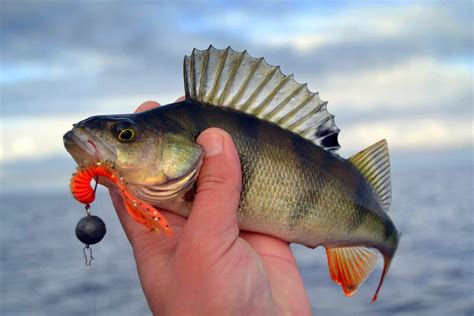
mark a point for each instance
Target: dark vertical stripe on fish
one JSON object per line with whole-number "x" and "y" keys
{"x": 305, "y": 193}
{"x": 202, "y": 117}
{"x": 249, "y": 127}
{"x": 360, "y": 212}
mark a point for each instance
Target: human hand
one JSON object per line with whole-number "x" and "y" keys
{"x": 208, "y": 266}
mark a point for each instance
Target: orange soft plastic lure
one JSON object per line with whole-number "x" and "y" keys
{"x": 140, "y": 211}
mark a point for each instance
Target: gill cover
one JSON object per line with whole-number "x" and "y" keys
{"x": 178, "y": 163}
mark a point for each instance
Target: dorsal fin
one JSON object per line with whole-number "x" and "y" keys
{"x": 236, "y": 80}
{"x": 374, "y": 163}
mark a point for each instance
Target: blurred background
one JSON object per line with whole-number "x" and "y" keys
{"x": 400, "y": 70}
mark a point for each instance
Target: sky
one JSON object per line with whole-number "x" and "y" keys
{"x": 400, "y": 70}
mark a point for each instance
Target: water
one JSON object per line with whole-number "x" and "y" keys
{"x": 42, "y": 270}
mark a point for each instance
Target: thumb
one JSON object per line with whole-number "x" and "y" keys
{"x": 213, "y": 219}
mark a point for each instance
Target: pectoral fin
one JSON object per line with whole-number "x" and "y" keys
{"x": 350, "y": 266}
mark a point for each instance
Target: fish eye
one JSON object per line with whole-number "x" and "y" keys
{"x": 125, "y": 131}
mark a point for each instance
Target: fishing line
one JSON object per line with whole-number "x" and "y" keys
{"x": 89, "y": 271}
{"x": 88, "y": 257}
{"x": 90, "y": 230}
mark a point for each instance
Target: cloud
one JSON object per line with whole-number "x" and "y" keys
{"x": 416, "y": 88}
{"x": 31, "y": 137}
{"x": 410, "y": 134}
{"x": 75, "y": 54}
{"x": 73, "y": 51}
{"x": 384, "y": 68}
{"x": 352, "y": 37}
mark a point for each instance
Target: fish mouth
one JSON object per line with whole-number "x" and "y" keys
{"x": 87, "y": 149}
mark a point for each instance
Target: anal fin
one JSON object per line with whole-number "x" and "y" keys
{"x": 350, "y": 266}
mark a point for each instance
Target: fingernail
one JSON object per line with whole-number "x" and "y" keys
{"x": 213, "y": 144}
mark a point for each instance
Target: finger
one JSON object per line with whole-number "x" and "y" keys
{"x": 152, "y": 252}
{"x": 213, "y": 218}
{"x": 268, "y": 246}
{"x": 148, "y": 105}
{"x": 280, "y": 264}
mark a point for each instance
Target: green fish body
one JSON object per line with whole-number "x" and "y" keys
{"x": 295, "y": 186}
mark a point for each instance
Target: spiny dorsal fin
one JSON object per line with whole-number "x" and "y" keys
{"x": 350, "y": 266}
{"x": 236, "y": 80}
{"x": 374, "y": 163}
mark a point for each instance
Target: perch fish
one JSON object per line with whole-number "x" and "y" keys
{"x": 295, "y": 185}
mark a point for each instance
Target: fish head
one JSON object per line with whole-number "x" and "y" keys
{"x": 143, "y": 153}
